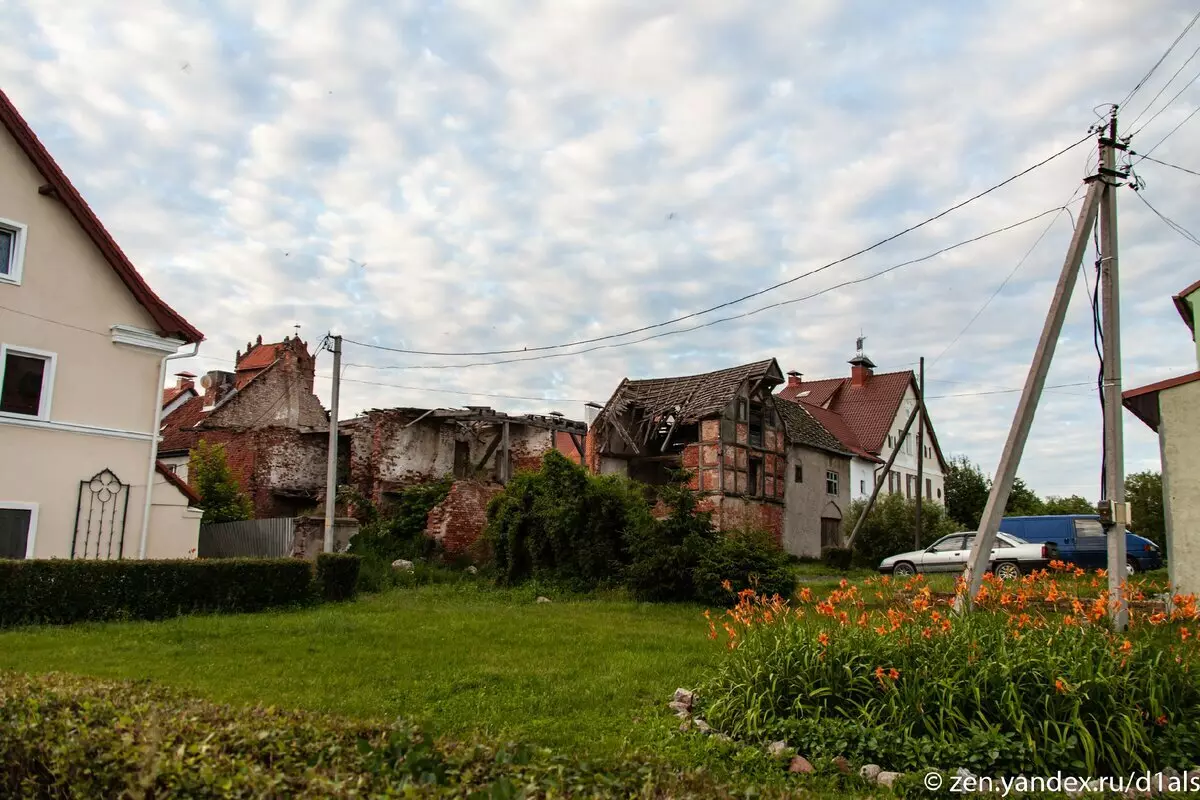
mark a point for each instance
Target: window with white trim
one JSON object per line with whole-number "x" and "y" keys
{"x": 831, "y": 482}
{"x": 12, "y": 250}
{"x": 26, "y": 382}
{"x": 18, "y": 525}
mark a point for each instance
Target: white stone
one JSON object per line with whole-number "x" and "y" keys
{"x": 777, "y": 749}
{"x": 702, "y": 726}
{"x": 684, "y": 696}
{"x": 402, "y": 565}
{"x": 681, "y": 710}
{"x": 543, "y": 599}
{"x": 887, "y": 778}
{"x": 472, "y": 570}
{"x": 870, "y": 772}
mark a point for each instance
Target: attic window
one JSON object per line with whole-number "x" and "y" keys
{"x": 12, "y": 251}
{"x": 805, "y": 393}
{"x": 756, "y": 425}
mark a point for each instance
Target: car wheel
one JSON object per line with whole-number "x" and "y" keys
{"x": 1131, "y": 566}
{"x": 904, "y": 569}
{"x": 1008, "y": 571}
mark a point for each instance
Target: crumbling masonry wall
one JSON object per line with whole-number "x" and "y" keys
{"x": 458, "y": 521}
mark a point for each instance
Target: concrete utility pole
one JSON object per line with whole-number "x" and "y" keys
{"x": 879, "y": 478}
{"x": 920, "y": 451}
{"x": 332, "y": 460}
{"x": 1114, "y": 439}
{"x": 1006, "y": 472}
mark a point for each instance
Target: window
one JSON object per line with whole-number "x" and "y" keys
{"x": 18, "y": 524}
{"x": 756, "y": 425}
{"x": 908, "y": 444}
{"x": 799, "y": 473}
{"x": 831, "y": 482}
{"x": 862, "y": 487}
{"x": 12, "y": 250}
{"x": 928, "y": 487}
{"x": 949, "y": 544}
{"x": 755, "y": 486}
{"x": 939, "y": 493}
{"x": 741, "y": 409}
{"x": 26, "y": 380}
{"x": 1089, "y": 534}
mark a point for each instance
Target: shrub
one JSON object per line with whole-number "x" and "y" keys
{"x": 398, "y": 531}
{"x": 838, "y": 558}
{"x": 666, "y": 552}
{"x": 747, "y": 558}
{"x": 912, "y": 686}
{"x": 220, "y": 496}
{"x": 889, "y": 527}
{"x": 562, "y": 524}
{"x": 337, "y": 575}
{"x": 55, "y": 592}
{"x": 63, "y": 736}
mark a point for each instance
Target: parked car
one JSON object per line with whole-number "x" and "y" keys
{"x": 1010, "y": 556}
{"x": 1082, "y": 541}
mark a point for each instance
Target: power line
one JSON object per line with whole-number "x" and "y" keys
{"x": 1186, "y": 86}
{"x": 1172, "y": 166}
{"x": 1168, "y": 136}
{"x": 1006, "y": 391}
{"x": 462, "y": 392}
{"x": 721, "y": 320}
{"x": 1161, "y": 59}
{"x": 743, "y": 298}
{"x": 1170, "y": 223}
{"x": 1160, "y": 91}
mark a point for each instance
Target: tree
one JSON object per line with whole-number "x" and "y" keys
{"x": 1144, "y": 492}
{"x": 1023, "y": 501}
{"x": 220, "y": 495}
{"x": 888, "y": 529}
{"x": 1069, "y": 505}
{"x": 966, "y": 492}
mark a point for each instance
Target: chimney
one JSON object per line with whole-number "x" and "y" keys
{"x": 217, "y": 384}
{"x": 184, "y": 380}
{"x": 794, "y": 379}
{"x": 590, "y": 411}
{"x": 861, "y": 370}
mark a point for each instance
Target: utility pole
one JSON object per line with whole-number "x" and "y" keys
{"x": 332, "y": 460}
{"x": 1010, "y": 457}
{"x": 880, "y": 476}
{"x": 1113, "y": 497}
{"x": 920, "y": 451}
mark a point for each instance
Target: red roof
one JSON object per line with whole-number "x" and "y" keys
{"x": 169, "y": 321}
{"x": 814, "y": 393}
{"x": 1185, "y": 309}
{"x": 1143, "y": 401}
{"x": 177, "y": 432}
{"x": 260, "y": 357}
{"x": 178, "y": 482}
{"x": 869, "y": 410}
{"x": 835, "y": 424}
{"x": 171, "y": 392}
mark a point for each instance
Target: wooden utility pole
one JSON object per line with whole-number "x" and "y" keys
{"x": 1010, "y": 457}
{"x": 1113, "y": 496}
{"x": 879, "y": 478}
{"x": 332, "y": 457}
{"x": 920, "y": 451}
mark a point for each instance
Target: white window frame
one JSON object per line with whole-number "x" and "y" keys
{"x": 32, "y": 508}
{"x": 832, "y": 479}
{"x": 51, "y": 360}
{"x": 20, "y": 231}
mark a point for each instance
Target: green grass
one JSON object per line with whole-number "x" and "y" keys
{"x": 587, "y": 673}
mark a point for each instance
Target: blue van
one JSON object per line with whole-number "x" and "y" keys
{"x": 1081, "y": 540}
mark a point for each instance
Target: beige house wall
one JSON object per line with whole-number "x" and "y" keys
{"x": 174, "y": 527}
{"x": 1179, "y": 441}
{"x": 807, "y": 501}
{"x": 103, "y": 394}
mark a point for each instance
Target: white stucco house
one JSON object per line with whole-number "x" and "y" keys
{"x": 866, "y": 412}
{"x": 84, "y": 344}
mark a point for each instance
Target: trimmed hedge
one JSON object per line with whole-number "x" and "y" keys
{"x": 65, "y": 736}
{"x": 63, "y": 591}
{"x": 337, "y": 575}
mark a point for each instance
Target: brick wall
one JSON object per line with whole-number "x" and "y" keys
{"x": 458, "y": 521}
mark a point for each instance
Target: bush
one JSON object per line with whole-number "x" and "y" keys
{"x": 398, "y": 531}
{"x": 743, "y": 559}
{"x": 56, "y": 592}
{"x": 838, "y": 558}
{"x": 889, "y": 527}
{"x": 666, "y": 552}
{"x": 220, "y": 495}
{"x": 337, "y": 575}
{"x": 562, "y": 524}
{"x": 912, "y": 686}
{"x": 63, "y": 736}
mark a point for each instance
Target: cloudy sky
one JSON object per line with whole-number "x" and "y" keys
{"x": 494, "y": 175}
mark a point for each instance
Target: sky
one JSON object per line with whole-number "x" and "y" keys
{"x": 498, "y": 175}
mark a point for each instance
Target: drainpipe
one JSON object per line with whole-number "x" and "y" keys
{"x": 154, "y": 436}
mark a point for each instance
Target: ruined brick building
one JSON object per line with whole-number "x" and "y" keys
{"x": 274, "y": 429}
{"x": 480, "y": 448}
{"x": 721, "y": 426}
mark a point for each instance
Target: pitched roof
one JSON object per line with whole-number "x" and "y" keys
{"x": 178, "y": 482}
{"x": 260, "y": 357}
{"x": 869, "y": 410}
{"x": 692, "y": 397}
{"x": 803, "y": 428}
{"x": 169, "y": 321}
{"x": 814, "y": 393}
{"x": 178, "y": 428}
{"x": 1143, "y": 401}
{"x": 836, "y": 425}
{"x": 1185, "y": 308}
{"x": 172, "y": 392}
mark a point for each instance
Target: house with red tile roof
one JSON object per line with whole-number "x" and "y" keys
{"x": 866, "y": 411}
{"x": 1171, "y": 408}
{"x": 265, "y": 413}
{"x": 84, "y": 343}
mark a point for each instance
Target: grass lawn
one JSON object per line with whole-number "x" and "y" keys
{"x": 591, "y": 675}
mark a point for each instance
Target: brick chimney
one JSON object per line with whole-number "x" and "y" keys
{"x": 861, "y": 370}
{"x": 217, "y": 384}
{"x": 794, "y": 379}
{"x": 184, "y": 380}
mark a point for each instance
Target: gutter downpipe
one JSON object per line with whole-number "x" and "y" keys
{"x": 155, "y": 435}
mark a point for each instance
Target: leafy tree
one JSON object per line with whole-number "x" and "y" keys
{"x": 1068, "y": 505}
{"x": 966, "y": 492}
{"x": 220, "y": 495}
{"x": 1144, "y": 492}
{"x": 1023, "y": 501}
{"x": 889, "y": 527}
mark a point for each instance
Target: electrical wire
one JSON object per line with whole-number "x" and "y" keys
{"x": 1004, "y": 391}
{"x": 721, "y": 320}
{"x": 1186, "y": 86}
{"x": 1185, "y": 121}
{"x": 1161, "y": 59}
{"x": 1168, "y": 164}
{"x": 1163, "y": 89}
{"x": 741, "y": 299}
{"x": 1170, "y": 223}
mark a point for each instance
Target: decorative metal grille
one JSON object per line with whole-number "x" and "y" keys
{"x": 100, "y": 517}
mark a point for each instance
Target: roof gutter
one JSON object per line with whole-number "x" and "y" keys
{"x": 155, "y": 435}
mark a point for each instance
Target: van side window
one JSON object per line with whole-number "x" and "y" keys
{"x": 1089, "y": 532}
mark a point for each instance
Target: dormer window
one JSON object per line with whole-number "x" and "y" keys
{"x": 12, "y": 251}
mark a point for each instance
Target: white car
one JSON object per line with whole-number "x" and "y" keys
{"x": 1010, "y": 556}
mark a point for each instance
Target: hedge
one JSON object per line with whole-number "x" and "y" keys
{"x": 64, "y": 736}
{"x": 64, "y": 591}
{"x": 337, "y": 575}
